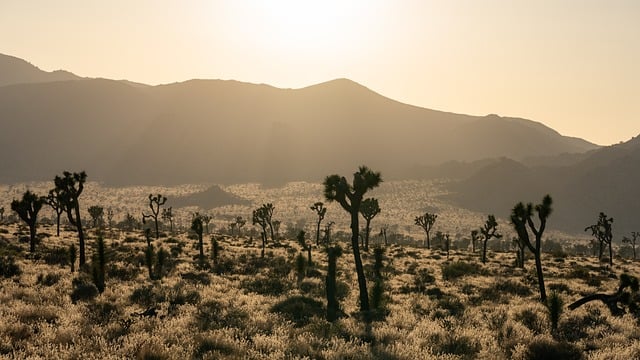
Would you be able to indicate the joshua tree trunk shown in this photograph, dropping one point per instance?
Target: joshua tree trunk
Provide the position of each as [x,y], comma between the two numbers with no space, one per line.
[362,281]
[543,292]
[78,224]
[367,230]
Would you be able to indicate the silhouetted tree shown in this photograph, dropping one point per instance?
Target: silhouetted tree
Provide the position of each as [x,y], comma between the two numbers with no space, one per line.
[54,201]
[321,211]
[603,233]
[520,247]
[240,222]
[130,222]
[197,226]
[232,227]
[154,204]
[206,220]
[267,214]
[326,238]
[369,209]
[96,212]
[624,300]
[73,256]
[109,218]
[426,222]
[303,243]
[349,196]
[474,239]
[27,209]
[377,292]
[333,306]
[383,232]
[167,215]
[70,187]
[521,216]
[260,218]
[632,241]
[488,230]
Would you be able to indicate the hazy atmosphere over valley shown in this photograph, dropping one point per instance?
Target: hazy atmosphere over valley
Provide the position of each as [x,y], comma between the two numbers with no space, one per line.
[322,180]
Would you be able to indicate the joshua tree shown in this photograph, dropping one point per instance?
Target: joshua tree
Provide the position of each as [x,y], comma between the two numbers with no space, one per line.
[632,241]
[426,222]
[70,187]
[267,214]
[333,306]
[198,227]
[232,227]
[167,215]
[474,239]
[624,300]
[276,227]
[447,243]
[27,209]
[377,292]
[96,212]
[130,222]
[206,220]
[215,250]
[54,201]
[303,243]
[260,218]
[321,211]
[2,215]
[98,266]
[521,216]
[489,230]
[109,218]
[602,232]
[154,204]
[349,196]
[369,209]
[383,232]
[240,222]
[520,246]
[73,256]
[326,238]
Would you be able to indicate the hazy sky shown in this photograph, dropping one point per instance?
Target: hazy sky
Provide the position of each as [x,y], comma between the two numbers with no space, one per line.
[571,64]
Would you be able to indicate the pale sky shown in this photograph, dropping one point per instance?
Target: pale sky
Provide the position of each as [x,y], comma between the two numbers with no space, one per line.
[573,65]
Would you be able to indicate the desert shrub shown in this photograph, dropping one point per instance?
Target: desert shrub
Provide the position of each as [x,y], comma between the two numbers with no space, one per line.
[280,267]
[48,280]
[201,278]
[213,314]
[543,349]
[273,286]
[531,319]
[299,309]
[213,347]
[594,281]
[223,265]
[146,295]
[411,268]
[463,346]
[127,272]
[9,268]
[459,269]
[560,287]
[423,279]
[501,287]
[102,312]
[179,294]
[451,305]
[83,290]
[574,328]
[313,288]
[434,293]
[34,315]
[152,351]
[56,256]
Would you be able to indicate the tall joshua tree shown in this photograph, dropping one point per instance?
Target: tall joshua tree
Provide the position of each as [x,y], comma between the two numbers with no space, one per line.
[260,218]
[267,214]
[474,239]
[369,209]
[603,233]
[197,226]
[321,211]
[488,230]
[521,217]
[27,209]
[349,196]
[167,215]
[426,222]
[55,202]
[154,204]
[70,187]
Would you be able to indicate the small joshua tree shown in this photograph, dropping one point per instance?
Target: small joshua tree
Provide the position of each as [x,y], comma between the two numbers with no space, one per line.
[149,256]
[350,196]
[521,217]
[73,256]
[447,243]
[161,261]
[215,250]
[383,232]
[206,220]
[326,238]
[369,209]
[321,211]
[377,293]
[474,239]
[2,215]
[333,306]
[27,209]
[520,247]
[155,202]
[98,266]
[232,227]
[55,202]
[426,222]
[632,241]
[303,243]
[260,218]
[70,187]
[167,215]
[554,305]
[96,212]
[109,218]
[602,232]
[240,222]
[276,227]
[267,214]
[198,227]
[301,267]
[488,230]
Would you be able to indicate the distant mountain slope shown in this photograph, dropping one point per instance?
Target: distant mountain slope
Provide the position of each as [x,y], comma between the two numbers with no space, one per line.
[208,199]
[606,180]
[232,132]
[17,71]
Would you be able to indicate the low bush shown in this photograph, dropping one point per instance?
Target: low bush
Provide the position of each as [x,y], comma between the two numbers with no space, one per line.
[455,270]
[299,309]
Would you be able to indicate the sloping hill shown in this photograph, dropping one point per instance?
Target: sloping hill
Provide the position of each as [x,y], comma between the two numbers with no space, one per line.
[17,71]
[232,132]
[210,198]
